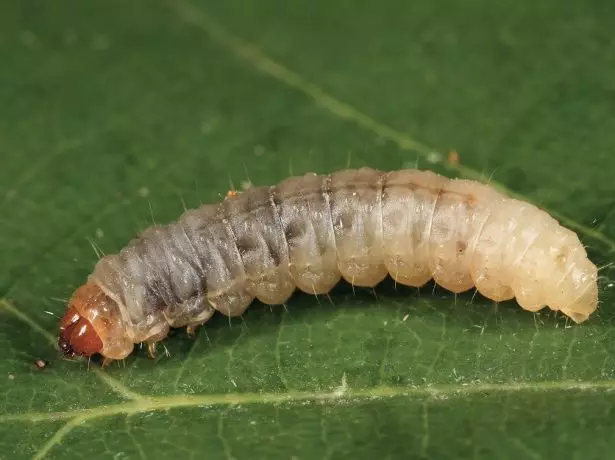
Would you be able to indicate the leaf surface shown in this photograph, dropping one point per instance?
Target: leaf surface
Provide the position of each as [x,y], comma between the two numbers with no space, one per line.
[118,114]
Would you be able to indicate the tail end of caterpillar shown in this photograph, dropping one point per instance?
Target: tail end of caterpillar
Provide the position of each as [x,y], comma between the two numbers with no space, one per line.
[580,310]
[92,325]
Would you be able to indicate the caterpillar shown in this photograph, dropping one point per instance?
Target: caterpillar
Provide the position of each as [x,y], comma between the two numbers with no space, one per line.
[309,232]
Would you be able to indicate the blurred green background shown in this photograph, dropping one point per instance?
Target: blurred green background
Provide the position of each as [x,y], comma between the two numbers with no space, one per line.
[114,114]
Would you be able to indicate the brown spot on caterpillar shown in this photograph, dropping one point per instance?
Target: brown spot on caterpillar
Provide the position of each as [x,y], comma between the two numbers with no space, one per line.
[294,229]
[246,244]
[470,199]
[453,158]
[307,233]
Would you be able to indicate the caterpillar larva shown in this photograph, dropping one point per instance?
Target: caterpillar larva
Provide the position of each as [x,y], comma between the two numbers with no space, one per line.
[309,232]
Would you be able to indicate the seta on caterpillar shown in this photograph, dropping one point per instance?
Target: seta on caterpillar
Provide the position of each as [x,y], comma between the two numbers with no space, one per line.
[308,233]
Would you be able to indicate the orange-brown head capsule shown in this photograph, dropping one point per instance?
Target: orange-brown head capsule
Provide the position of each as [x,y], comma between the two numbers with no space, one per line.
[93,324]
[77,336]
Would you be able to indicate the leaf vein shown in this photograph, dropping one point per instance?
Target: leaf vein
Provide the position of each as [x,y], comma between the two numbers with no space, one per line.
[436,392]
[57,437]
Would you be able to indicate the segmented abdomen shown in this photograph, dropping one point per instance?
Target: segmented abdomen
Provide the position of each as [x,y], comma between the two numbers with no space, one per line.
[308,232]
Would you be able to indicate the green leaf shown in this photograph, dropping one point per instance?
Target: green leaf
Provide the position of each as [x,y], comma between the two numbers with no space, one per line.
[114,114]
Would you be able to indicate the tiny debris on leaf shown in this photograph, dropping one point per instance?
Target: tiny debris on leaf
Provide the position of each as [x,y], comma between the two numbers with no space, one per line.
[41,363]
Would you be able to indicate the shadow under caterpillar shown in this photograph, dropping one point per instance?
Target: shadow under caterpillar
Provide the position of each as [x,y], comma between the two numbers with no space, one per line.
[308,233]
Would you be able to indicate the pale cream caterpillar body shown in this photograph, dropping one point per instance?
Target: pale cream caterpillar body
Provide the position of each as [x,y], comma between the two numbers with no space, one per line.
[308,233]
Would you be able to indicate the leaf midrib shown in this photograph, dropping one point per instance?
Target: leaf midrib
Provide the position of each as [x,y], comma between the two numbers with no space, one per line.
[343,393]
